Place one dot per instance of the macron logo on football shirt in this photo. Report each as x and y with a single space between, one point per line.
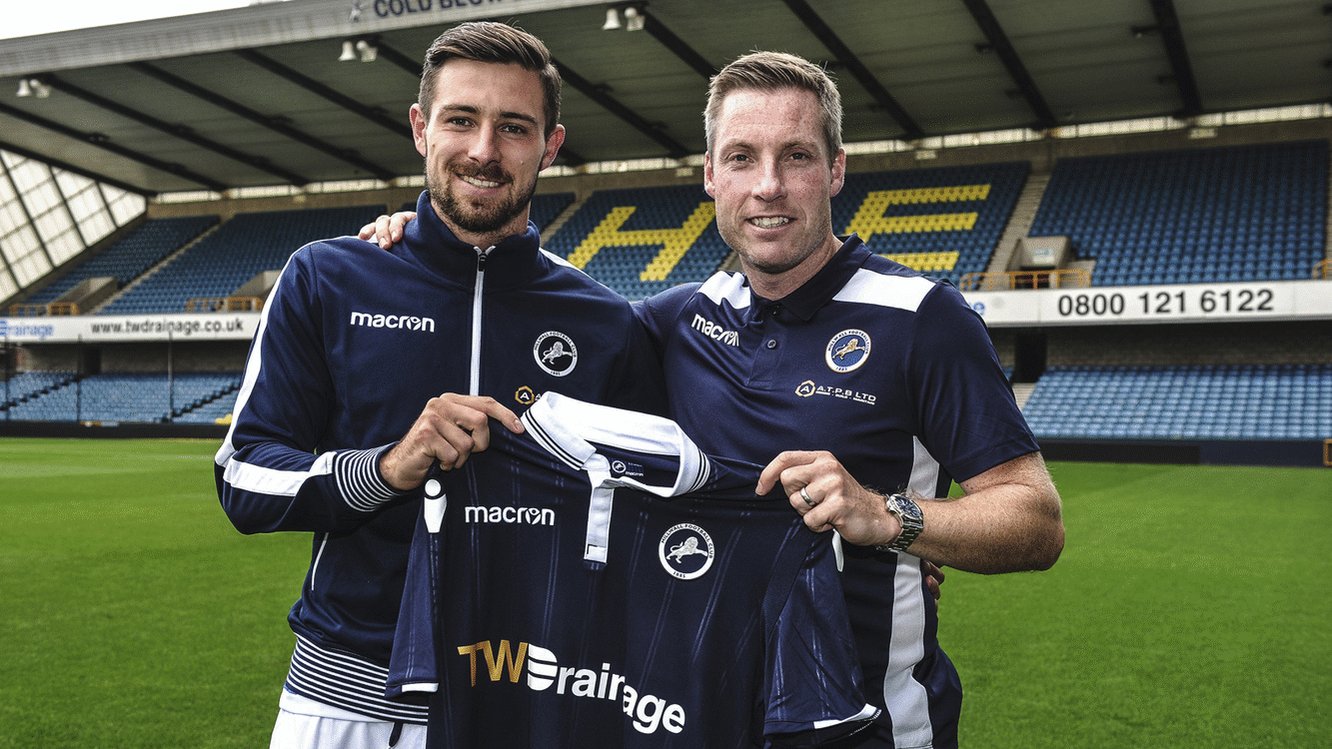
396 322
714 331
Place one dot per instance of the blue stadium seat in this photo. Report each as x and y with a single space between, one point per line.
242 247
545 208
1287 402
130 397
130 256
26 386
1173 217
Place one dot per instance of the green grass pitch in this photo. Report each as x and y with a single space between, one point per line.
1192 608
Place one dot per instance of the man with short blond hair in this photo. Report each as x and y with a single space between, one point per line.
851 372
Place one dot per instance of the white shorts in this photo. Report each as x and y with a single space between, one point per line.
299 730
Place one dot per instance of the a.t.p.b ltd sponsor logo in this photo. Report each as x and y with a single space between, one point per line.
809 389
524 395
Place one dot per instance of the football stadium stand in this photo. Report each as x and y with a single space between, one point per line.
242 247
1245 213
641 241
212 412
1203 215
944 222
546 208
1221 214
132 255
1239 402
138 397
25 386
209 392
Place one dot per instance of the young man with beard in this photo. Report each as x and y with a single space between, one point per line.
865 388
369 367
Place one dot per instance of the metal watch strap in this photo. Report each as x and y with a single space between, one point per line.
909 515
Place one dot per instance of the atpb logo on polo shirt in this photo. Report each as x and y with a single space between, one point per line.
847 350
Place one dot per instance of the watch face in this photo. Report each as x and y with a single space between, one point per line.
907 508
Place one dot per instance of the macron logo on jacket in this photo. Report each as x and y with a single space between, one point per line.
399 322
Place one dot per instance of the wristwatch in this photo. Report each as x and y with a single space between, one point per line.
908 512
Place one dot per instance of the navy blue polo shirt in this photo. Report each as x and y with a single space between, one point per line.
893 373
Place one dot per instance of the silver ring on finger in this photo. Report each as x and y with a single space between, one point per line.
804 494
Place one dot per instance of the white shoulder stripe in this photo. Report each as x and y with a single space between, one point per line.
729 287
563 262
261 480
900 292
559 260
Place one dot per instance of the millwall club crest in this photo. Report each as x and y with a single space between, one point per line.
686 551
556 353
847 350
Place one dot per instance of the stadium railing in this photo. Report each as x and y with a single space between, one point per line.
27 310
224 304
1323 269
1066 278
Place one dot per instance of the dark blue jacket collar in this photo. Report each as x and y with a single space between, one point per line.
515 261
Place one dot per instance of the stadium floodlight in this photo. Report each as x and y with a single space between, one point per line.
368 51
32 87
348 52
634 19
612 19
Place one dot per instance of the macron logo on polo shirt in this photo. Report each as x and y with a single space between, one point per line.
396 322
715 332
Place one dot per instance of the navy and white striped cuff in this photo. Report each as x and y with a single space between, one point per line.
359 482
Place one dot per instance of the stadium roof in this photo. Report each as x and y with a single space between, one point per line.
258 96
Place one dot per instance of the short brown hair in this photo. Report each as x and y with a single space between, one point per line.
488 41
770 71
